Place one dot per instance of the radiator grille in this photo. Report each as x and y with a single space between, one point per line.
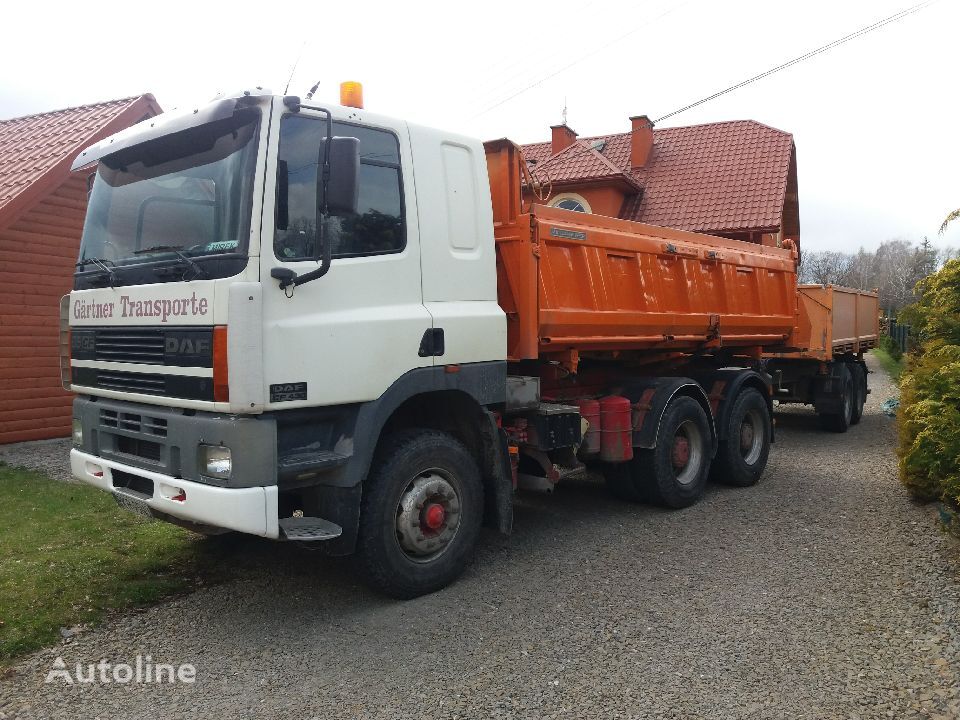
174 386
147 383
141 448
132 345
133 422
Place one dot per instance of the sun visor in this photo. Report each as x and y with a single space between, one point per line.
156 127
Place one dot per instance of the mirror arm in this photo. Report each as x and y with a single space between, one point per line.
322 253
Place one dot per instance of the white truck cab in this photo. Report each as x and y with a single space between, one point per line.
218 389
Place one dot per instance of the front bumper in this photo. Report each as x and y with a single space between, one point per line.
252 510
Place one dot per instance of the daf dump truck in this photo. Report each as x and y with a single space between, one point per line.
314 323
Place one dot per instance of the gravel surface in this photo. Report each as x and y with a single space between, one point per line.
51 457
823 592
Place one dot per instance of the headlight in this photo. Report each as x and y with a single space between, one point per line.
214 461
77 433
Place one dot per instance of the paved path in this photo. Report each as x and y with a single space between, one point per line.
823 592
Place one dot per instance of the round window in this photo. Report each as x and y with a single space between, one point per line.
571 204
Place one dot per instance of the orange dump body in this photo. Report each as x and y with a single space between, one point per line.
834 320
578 283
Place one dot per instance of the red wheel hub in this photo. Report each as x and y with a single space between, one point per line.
433 516
681 451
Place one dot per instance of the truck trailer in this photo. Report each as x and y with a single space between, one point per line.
313 323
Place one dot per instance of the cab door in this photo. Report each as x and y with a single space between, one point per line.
347 336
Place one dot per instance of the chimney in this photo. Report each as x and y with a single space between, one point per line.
641 140
561 138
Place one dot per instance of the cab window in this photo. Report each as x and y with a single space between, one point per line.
378 225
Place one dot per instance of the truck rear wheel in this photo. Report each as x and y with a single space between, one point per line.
744 442
420 515
839 422
674 472
859 379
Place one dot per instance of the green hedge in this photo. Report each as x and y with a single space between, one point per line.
891 347
930 392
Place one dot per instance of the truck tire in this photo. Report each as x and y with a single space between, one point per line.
674 473
420 515
840 422
745 441
859 379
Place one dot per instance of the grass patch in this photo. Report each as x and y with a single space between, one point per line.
68 555
893 367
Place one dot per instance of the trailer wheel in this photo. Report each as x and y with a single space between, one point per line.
744 442
840 422
674 472
420 514
859 380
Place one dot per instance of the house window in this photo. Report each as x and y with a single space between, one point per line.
571 201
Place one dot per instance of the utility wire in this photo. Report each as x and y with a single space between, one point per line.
806 56
580 59
502 75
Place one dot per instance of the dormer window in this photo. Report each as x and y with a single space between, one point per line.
571 201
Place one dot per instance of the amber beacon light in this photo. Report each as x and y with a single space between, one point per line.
351 94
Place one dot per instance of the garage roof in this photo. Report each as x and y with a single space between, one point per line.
36 150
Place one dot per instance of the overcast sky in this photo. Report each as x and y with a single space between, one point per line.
875 120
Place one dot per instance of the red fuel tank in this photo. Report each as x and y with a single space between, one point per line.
616 430
590 411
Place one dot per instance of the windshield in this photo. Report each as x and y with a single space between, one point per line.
181 201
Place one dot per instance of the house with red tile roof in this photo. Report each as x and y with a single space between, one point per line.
42 209
736 179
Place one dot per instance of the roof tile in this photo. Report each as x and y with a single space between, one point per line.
725 176
32 145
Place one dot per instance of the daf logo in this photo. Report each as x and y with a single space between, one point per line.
186 346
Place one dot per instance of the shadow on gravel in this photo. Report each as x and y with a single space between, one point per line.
548 529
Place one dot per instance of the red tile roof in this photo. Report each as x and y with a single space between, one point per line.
725 176
36 150
579 163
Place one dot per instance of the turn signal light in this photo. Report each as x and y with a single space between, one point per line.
221 375
351 94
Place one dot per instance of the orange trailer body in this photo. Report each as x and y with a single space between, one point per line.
835 320
575 284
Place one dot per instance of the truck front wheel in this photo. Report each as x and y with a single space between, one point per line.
744 442
420 515
674 472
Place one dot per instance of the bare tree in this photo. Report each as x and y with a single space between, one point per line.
826 267
894 268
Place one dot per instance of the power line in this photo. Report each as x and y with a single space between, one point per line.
580 59
806 56
502 73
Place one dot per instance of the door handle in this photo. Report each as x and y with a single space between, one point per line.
432 344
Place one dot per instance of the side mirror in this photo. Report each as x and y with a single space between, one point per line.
343 189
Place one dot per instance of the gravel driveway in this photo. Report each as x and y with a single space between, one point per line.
823 592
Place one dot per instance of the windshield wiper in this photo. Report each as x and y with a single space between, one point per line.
101 264
198 271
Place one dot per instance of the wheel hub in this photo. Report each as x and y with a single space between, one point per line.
433 516
746 436
681 452
428 516
752 436
687 453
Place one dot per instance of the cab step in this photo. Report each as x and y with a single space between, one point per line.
308 529
306 463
